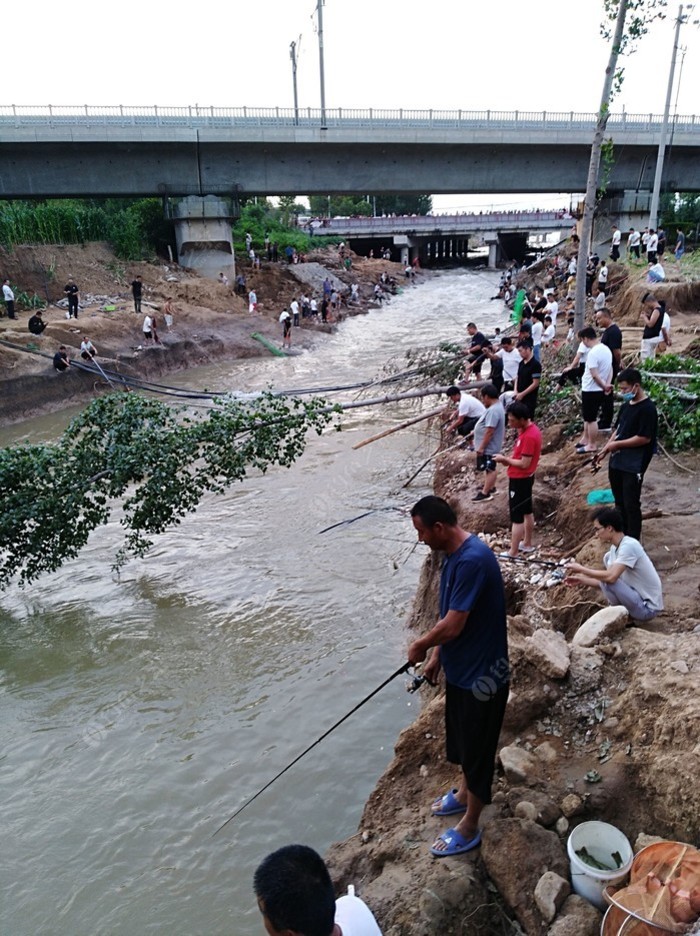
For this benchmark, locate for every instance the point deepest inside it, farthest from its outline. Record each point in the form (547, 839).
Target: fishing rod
(542, 562)
(399, 672)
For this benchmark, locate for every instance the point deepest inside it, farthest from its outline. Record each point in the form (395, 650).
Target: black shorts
(591, 403)
(520, 498)
(472, 728)
(485, 463)
(467, 426)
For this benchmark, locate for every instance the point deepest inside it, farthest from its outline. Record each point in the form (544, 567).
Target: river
(139, 713)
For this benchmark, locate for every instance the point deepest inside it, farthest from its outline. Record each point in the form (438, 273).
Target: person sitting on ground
(469, 410)
(36, 323)
(87, 349)
(223, 279)
(656, 273)
(61, 361)
(295, 896)
(629, 578)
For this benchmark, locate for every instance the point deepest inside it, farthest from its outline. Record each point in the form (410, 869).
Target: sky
(503, 55)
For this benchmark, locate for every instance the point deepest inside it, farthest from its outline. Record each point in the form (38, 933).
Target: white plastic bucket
(601, 840)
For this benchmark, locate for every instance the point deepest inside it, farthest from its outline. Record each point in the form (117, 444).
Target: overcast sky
(498, 55)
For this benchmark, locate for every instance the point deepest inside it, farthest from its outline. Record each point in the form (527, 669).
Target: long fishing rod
(402, 669)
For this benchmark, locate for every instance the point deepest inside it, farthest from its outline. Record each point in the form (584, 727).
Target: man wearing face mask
(631, 448)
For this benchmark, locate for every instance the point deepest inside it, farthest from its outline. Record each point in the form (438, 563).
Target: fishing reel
(417, 681)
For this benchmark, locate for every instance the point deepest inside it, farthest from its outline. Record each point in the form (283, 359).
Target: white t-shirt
(552, 309)
(634, 239)
(511, 362)
(354, 917)
(548, 334)
(147, 323)
(294, 306)
(639, 573)
(616, 238)
(284, 315)
(599, 301)
(252, 297)
(603, 274)
(537, 330)
(469, 406)
(7, 293)
(652, 243)
(572, 266)
(600, 357)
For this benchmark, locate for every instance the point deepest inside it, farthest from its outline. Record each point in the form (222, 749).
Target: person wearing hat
(36, 323)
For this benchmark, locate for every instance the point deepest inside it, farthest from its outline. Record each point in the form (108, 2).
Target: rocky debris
(549, 652)
(518, 764)
(550, 893)
(516, 853)
(604, 624)
(680, 666)
(585, 670)
(312, 275)
(577, 918)
(643, 840)
(534, 805)
(572, 805)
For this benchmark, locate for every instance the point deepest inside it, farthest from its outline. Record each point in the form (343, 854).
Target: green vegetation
(679, 414)
(261, 219)
(154, 461)
(348, 206)
(136, 229)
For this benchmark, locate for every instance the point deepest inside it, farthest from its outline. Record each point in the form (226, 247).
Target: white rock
(547, 753)
(517, 764)
(571, 805)
(549, 652)
(602, 625)
(550, 893)
(562, 825)
(525, 810)
(423, 771)
(643, 840)
(680, 666)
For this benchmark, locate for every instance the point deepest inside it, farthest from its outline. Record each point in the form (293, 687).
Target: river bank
(596, 728)
(210, 323)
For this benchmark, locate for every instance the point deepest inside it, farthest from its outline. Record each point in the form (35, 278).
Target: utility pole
(319, 10)
(654, 208)
(293, 57)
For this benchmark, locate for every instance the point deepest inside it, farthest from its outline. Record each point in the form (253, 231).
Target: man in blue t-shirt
(469, 642)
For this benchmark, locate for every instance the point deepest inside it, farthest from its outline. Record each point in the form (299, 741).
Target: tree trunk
(586, 230)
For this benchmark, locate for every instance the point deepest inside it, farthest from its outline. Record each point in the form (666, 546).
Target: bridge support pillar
(203, 235)
(628, 209)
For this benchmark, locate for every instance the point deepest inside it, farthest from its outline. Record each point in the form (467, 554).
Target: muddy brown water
(138, 714)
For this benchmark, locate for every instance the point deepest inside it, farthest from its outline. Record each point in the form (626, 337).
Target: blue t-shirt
(471, 581)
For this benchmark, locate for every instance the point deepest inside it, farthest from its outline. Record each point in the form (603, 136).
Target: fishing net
(663, 895)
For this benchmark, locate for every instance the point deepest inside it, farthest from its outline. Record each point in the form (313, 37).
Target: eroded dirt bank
(595, 729)
(210, 320)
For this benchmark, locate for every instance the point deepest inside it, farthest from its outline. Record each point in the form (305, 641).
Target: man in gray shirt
(488, 440)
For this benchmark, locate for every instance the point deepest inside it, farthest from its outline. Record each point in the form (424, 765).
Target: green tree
(145, 455)
(623, 34)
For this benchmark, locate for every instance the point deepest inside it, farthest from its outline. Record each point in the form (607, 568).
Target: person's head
(454, 393)
(518, 415)
(631, 230)
(434, 521)
(588, 336)
(649, 300)
(295, 893)
(603, 317)
(489, 395)
(608, 524)
(471, 328)
(62, 348)
(629, 384)
(6, 282)
(525, 347)
(548, 320)
(602, 263)
(507, 343)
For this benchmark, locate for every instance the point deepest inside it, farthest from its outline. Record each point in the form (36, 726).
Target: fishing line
(402, 669)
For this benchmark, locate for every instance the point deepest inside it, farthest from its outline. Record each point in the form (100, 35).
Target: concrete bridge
(434, 237)
(119, 151)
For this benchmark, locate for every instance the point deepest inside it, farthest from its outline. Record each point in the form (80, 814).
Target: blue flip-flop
(447, 805)
(456, 844)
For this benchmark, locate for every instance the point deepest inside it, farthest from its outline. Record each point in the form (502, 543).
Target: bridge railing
(196, 117)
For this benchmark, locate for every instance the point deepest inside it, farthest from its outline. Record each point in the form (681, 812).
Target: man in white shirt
(633, 242)
(552, 309)
(652, 245)
(615, 243)
(510, 357)
(549, 333)
(9, 297)
(603, 278)
(537, 332)
(294, 309)
(295, 896)
(629, 578)
(595, 383)
(469, 410)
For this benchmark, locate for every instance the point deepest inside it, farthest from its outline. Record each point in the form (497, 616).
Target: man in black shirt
(611, 338)
(61, 361)
(631, 448)
(73, 293)
(136, 291)
(476, 347)
(529, 375)
(36, 324)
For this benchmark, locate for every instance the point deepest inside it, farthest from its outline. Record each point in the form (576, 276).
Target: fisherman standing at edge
(470, 643)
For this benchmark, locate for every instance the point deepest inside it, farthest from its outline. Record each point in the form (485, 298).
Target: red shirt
(529, 442)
